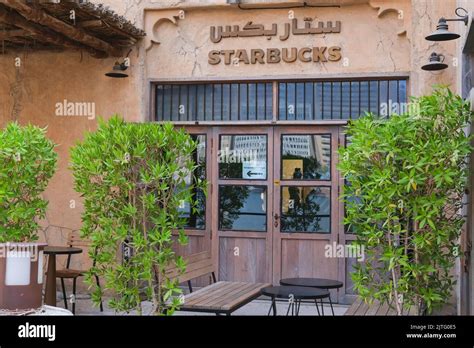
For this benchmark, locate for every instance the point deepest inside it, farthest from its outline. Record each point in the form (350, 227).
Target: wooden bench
(360, 307)
(221, 297)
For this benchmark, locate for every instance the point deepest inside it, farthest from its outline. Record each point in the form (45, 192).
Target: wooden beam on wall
(70, 31)
(94, 23)
(43, 34)
(8, 34)
(98, 23)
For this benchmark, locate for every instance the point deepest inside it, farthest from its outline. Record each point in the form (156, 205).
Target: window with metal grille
(214, 102)
(340, 100)
(297, 101)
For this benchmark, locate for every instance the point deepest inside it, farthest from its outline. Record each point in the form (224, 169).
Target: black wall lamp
(436, 62)
(442, 33)
(118, 71)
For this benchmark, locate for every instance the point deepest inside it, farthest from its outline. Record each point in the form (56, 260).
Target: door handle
(276, 218)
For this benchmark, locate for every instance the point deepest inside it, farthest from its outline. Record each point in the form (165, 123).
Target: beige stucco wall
(365, 49)
(377, 38)
(425, 15)
(29, 95)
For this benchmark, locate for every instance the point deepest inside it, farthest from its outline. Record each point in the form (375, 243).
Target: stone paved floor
(256, 307)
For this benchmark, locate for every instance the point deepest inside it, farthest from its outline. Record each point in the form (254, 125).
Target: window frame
(275, 101)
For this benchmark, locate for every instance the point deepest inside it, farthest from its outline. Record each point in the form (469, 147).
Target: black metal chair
(74, 240)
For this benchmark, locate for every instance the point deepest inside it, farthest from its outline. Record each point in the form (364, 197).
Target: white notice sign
(254, 170)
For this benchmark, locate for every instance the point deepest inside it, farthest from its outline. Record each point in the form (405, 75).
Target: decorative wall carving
(153, 20)
(385, 7)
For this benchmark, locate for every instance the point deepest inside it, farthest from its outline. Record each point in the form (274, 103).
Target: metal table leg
(317, 307)
(288, 310)
(298, 307)
(273, 306)
(330, 302)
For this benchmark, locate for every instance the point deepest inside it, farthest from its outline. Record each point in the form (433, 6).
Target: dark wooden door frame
(273, 237)
(333, 184)
(218, 234)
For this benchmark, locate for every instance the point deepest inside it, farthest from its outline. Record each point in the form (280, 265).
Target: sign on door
(254, 170)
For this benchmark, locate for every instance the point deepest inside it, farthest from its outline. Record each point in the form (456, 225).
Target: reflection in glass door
(305, 158)
(305, 209)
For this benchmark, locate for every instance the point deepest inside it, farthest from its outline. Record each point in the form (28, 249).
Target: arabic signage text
(274, 55)
(251, 30)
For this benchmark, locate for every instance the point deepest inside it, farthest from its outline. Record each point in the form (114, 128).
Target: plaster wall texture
(30, 94)
(377, 38)
(425, 15)
(184, 46)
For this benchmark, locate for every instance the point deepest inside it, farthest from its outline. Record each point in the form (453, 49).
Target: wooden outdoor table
(222, 297)
(52, 251)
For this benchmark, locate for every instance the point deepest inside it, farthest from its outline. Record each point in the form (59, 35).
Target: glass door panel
(305, 209)
(306, 157)
(242, 208)
(243, 157)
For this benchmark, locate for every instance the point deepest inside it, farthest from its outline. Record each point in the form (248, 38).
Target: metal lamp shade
(118, 71)
(435, 63)
(442, 33)
(434, 66)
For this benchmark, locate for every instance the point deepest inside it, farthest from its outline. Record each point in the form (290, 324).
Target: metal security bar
(297, 101)
(214, 102)
(340, 100)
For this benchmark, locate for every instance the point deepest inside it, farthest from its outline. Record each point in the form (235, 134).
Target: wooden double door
(272, 209)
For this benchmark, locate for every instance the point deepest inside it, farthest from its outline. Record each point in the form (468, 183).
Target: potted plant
(136, 179)
(407, 176)
(27, 163)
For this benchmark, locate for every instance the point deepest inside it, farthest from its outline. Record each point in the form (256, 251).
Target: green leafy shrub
(134, 178)
(27, 163)
(407, 177)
